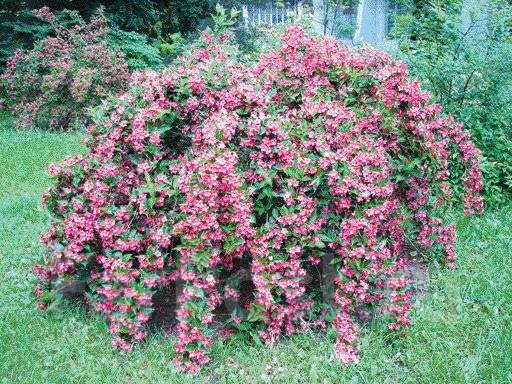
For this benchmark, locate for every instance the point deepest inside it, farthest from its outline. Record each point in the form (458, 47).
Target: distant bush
(138, 52)
(54, 84)
(20, 28)
(464, 58)
(19, 31)
(317, 164)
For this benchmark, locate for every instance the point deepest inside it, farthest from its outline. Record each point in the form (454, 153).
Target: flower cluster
(314, 173)
(53, 85)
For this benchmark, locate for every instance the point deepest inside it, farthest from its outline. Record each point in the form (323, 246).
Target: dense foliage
(154, 19)
(138, 52)
(247, 186)
(463, 55)
(54, 84)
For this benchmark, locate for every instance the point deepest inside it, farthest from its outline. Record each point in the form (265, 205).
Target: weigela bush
(53, 85)
(317, 159)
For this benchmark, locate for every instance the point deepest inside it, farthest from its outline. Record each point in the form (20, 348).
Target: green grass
(462, 331)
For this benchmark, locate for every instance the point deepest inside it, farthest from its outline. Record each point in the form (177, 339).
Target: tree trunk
(319, 16)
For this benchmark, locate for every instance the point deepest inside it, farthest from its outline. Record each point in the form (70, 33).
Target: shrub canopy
(317, 160)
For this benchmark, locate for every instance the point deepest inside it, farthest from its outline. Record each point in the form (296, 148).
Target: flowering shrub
(317, 159)
(53, 85)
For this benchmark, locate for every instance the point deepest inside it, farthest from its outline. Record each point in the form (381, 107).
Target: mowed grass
(461, 332)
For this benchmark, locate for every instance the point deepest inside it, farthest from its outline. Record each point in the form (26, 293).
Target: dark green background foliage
(139, 52)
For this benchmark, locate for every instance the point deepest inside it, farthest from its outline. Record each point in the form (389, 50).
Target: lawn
(461, 332)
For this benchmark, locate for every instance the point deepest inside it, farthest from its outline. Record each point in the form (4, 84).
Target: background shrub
(139, 53)
(317, 161)
(464, 58)
(54, 84)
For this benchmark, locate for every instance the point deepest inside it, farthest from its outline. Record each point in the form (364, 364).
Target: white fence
(269, 14)
(369, 21)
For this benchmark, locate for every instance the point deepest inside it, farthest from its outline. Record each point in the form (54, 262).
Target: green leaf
(231, 243)
(255, 313)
